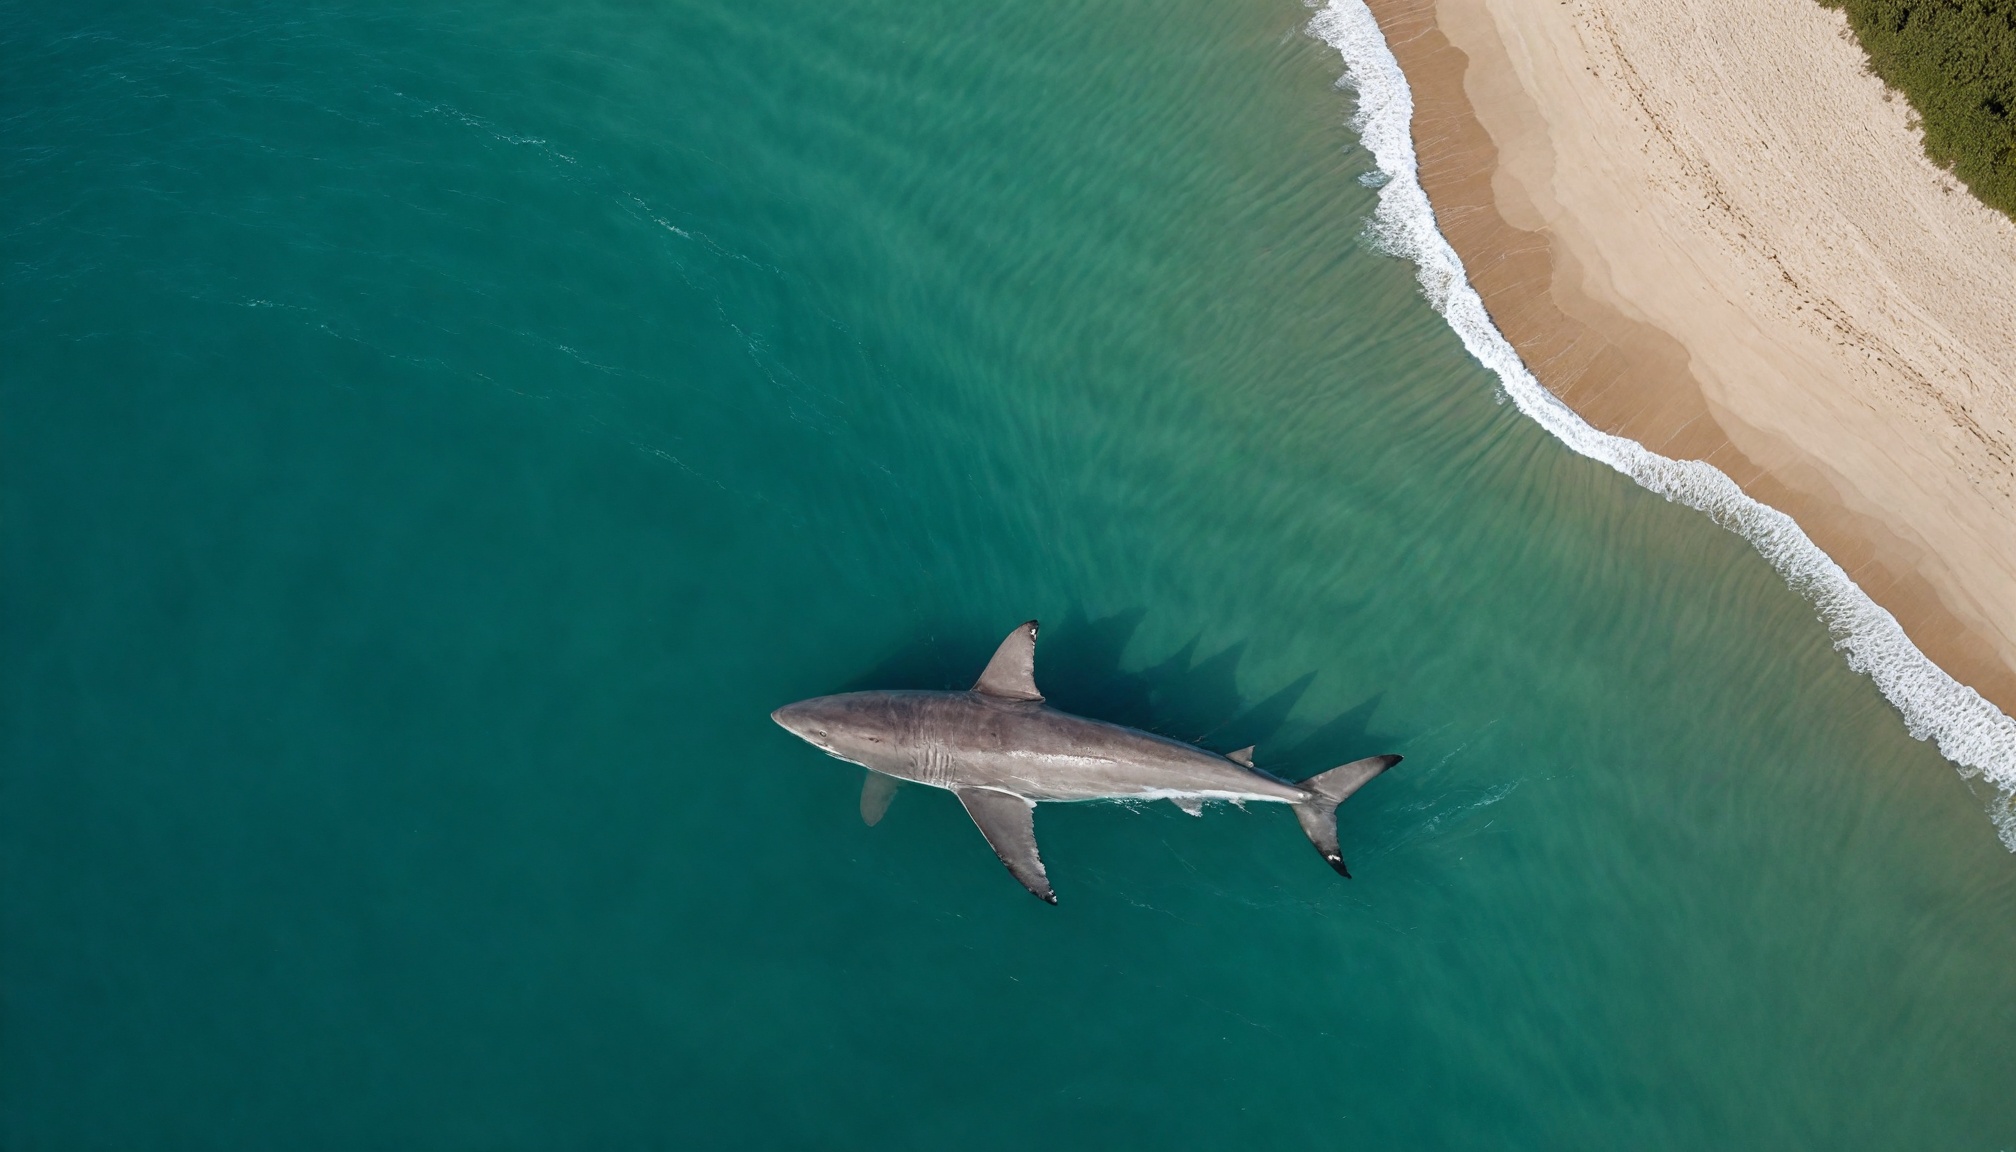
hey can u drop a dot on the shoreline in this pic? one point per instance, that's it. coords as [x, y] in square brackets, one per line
[1625, 375]
[1505, 291]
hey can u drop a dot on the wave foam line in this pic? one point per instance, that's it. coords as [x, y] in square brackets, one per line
[1969, 731]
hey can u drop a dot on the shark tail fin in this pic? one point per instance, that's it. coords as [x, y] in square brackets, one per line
[1318, 814]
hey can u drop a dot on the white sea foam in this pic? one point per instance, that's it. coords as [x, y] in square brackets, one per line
[1969, 731]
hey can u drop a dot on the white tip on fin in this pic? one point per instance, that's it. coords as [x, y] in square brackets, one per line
[1011, 674]
[1243, 757]
[1190, 804]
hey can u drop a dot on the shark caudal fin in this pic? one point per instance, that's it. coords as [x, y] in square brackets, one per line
[1318, 814]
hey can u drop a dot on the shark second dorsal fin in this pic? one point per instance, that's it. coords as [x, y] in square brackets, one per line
[1243, 757]
[1011, 674]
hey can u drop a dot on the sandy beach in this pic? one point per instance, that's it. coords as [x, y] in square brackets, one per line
[1706, 226]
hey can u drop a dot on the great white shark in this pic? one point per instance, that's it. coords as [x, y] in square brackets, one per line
[1001, 750]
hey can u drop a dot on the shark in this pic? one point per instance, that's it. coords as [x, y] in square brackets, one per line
[1002, 750]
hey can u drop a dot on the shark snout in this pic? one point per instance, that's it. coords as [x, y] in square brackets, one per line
[789, 718]
[801, 721]
[836, 726]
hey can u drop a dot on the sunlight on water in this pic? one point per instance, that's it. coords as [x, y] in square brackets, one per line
[437, 438]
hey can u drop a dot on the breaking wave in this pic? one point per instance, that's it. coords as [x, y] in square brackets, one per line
[1969, 731]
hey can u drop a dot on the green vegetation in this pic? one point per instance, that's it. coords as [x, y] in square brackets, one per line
[1955, 60]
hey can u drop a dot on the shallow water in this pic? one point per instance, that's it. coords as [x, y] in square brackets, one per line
[435, 437]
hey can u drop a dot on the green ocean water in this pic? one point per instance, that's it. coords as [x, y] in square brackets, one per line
[434, 436]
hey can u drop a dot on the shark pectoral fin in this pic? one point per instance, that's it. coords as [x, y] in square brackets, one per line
[1243, 757]
[1009, 823]
[1011, 674]
[876, 792]
[1190, 804]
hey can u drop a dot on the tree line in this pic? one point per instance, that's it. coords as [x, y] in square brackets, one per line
[1955, 60]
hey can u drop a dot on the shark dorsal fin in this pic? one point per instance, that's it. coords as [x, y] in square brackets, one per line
[1243, 757]
[1011, 674]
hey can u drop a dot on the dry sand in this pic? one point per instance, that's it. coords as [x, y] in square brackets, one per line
[1706, 226]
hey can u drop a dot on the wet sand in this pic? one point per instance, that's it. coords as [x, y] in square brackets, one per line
[1824, 315]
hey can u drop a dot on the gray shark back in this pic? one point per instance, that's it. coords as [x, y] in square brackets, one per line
[972, 740]
[1001, 749]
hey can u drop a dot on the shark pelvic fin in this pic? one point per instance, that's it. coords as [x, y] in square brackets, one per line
[1190, 804]
[1243, 757]
[1009, 823]
[876, 792]
[1011, 674]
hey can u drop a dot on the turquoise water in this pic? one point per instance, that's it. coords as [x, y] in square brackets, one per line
[435, 436]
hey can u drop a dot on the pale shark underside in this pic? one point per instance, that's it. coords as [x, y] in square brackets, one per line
[1001, 750]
